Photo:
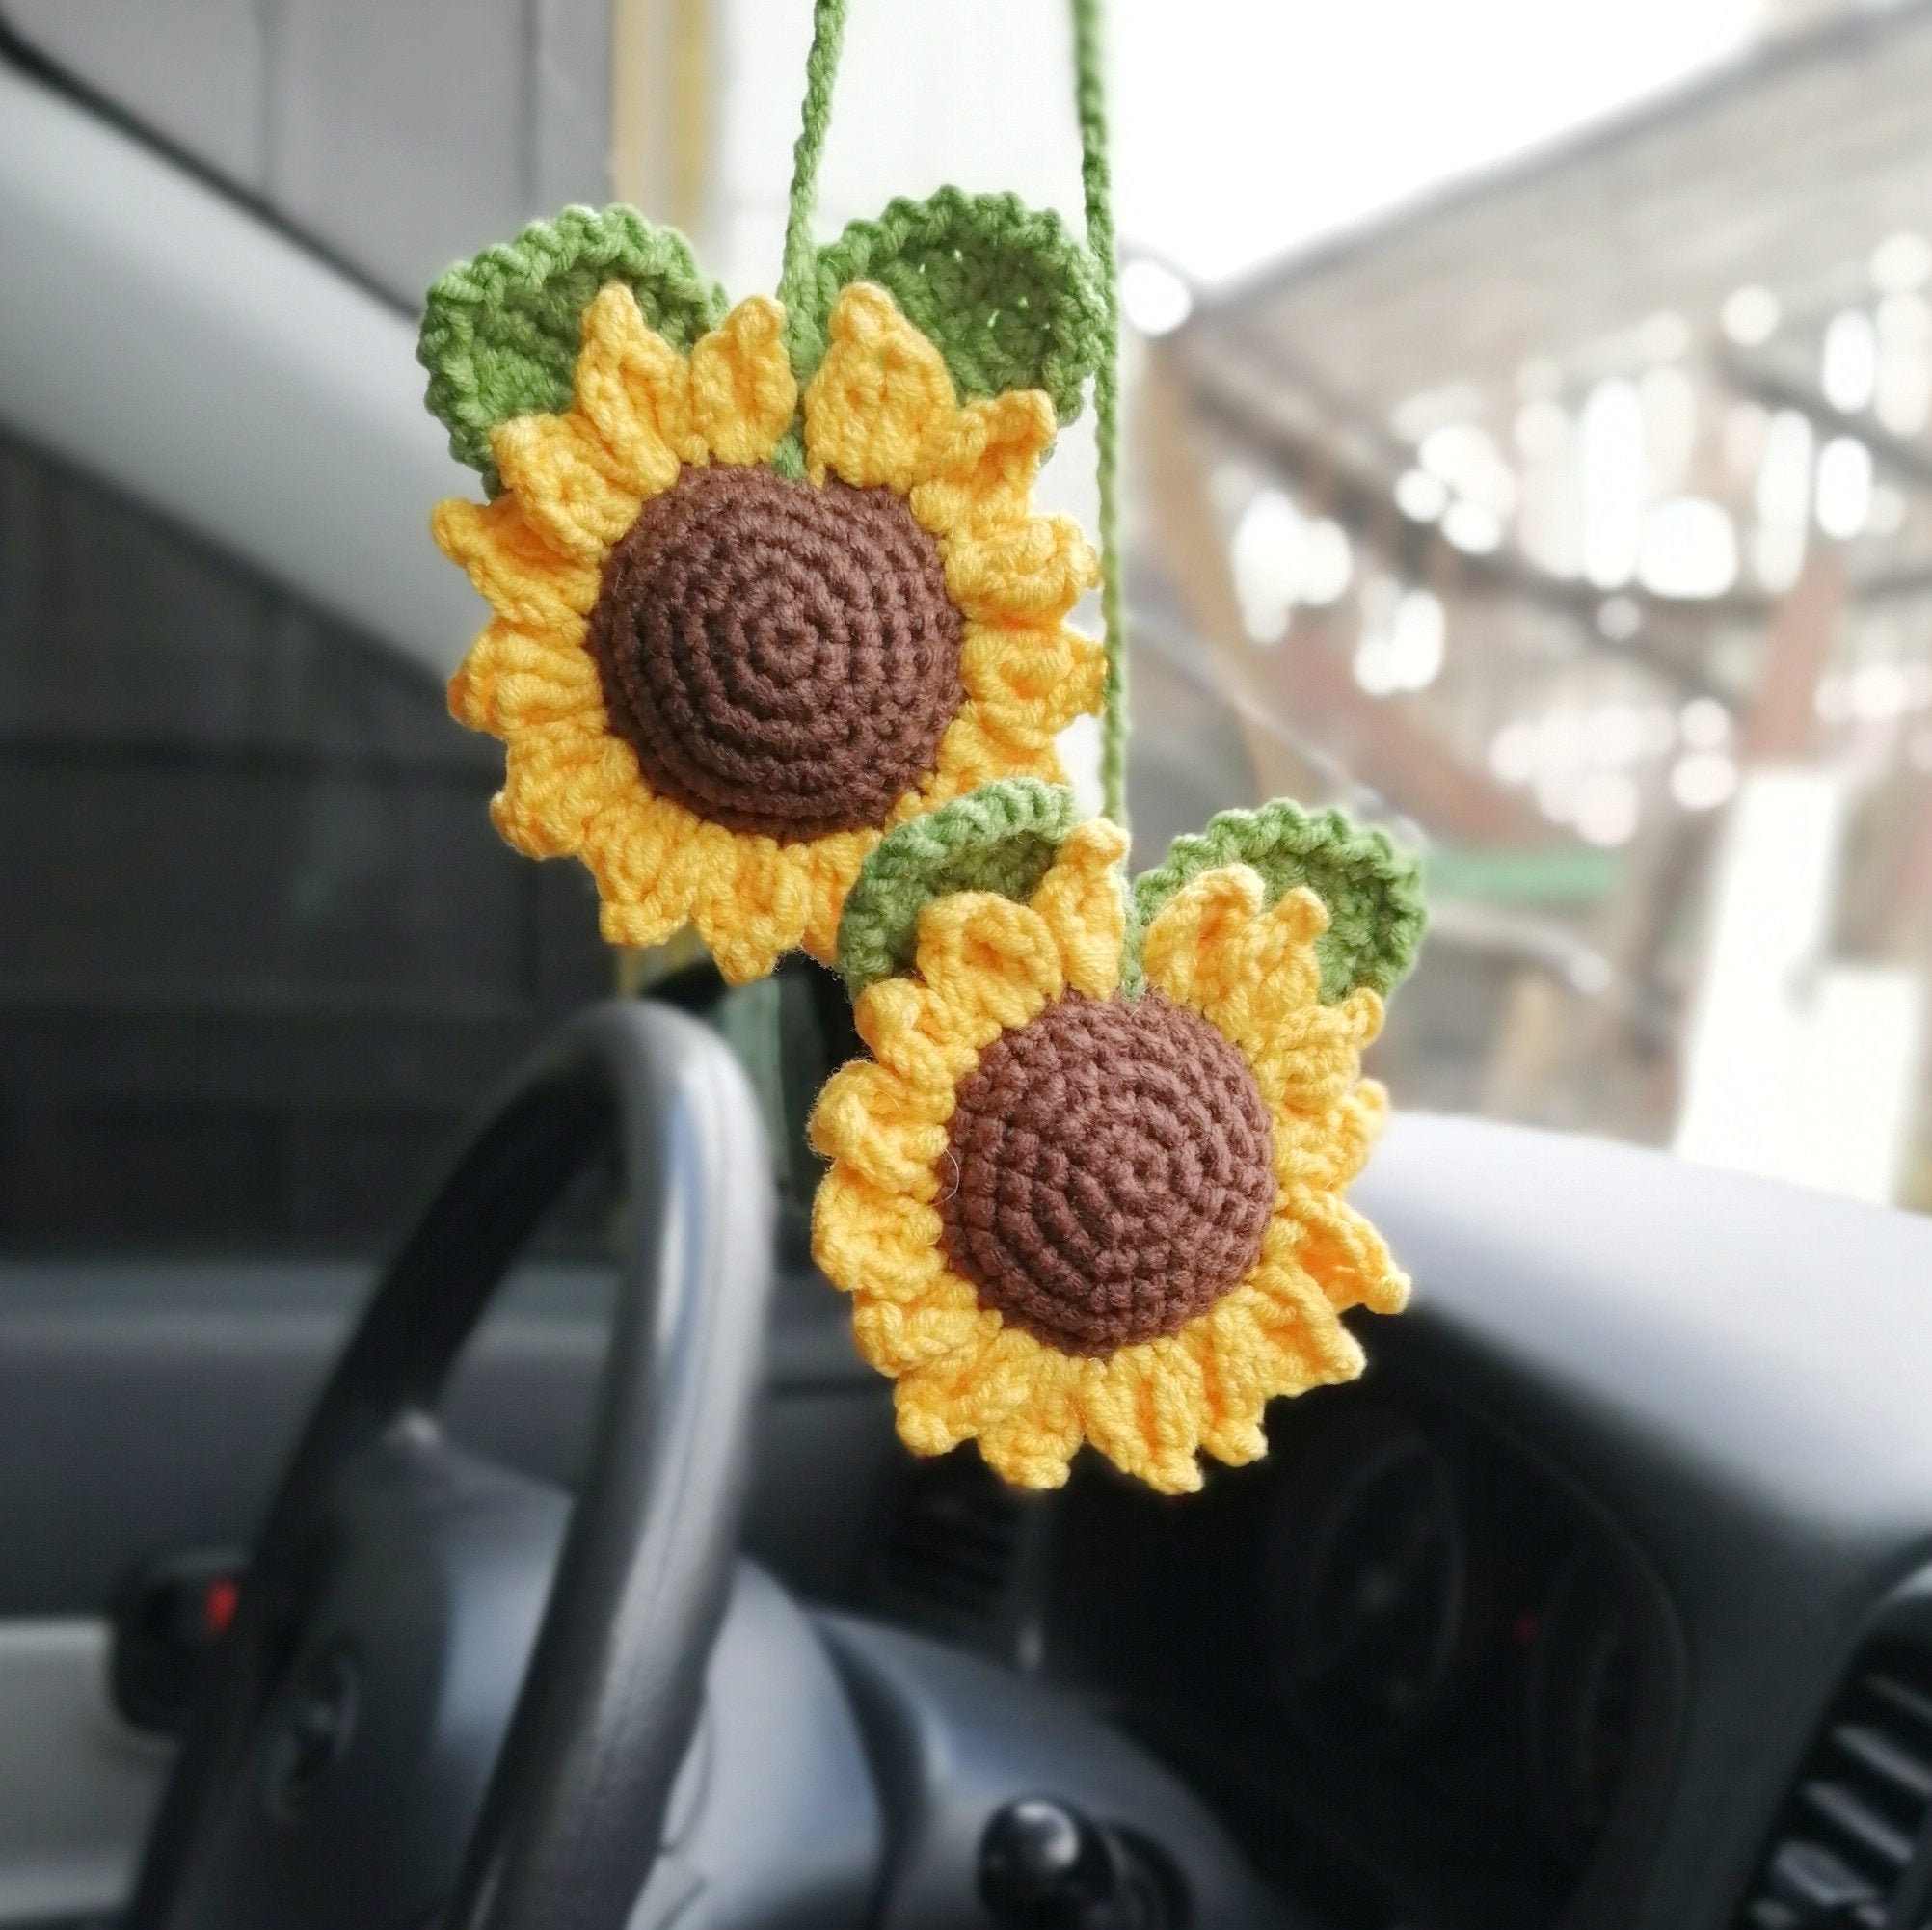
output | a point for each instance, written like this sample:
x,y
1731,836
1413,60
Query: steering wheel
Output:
x,y
413,1616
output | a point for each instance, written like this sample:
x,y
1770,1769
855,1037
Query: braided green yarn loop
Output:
x,y
1000,838
1096,177
1006,294
794,275
500,332
1373,890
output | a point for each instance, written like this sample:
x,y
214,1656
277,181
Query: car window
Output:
x,y
1529,449
260,951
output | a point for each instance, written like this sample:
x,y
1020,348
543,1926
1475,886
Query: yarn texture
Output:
x,y
1372,890
783,660
1002,837
1068,1215
720,686
1111,1173
1005,293
500,332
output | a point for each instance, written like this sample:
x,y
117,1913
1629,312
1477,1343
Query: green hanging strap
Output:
x,y
821,64
822,68
1097,182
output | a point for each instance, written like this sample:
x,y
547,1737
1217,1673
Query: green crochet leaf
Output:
x,y
1007,296
500,332
1001,837
1373,890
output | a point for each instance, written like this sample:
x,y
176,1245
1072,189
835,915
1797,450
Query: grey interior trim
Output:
x,y
158,335
398,137
77,1785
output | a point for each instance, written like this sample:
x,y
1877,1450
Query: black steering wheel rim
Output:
x,y
571,1820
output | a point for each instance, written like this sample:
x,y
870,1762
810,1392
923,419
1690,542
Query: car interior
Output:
x,y
437,1485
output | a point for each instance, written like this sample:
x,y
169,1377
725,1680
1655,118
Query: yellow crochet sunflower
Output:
x,y
1065,1214
720,683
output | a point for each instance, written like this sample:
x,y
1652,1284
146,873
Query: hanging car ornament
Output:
x,y
1088,1186
780,650
765,581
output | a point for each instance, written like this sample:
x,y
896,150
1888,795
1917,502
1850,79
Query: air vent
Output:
x,y
1855,1823
951,1553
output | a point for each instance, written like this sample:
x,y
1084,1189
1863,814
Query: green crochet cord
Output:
x,y
1097,182
1086,332
796,274
1372,888
1000,838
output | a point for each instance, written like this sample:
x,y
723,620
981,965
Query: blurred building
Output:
x,y
1581,522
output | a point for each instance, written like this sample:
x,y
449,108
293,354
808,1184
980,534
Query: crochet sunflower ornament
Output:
x,y
767,580
1088,1186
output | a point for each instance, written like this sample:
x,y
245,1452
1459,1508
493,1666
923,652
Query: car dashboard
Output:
x,y
1602,1601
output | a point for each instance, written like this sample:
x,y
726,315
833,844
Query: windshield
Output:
x,y
1529,449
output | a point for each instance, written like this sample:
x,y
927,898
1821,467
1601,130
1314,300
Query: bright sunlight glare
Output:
x,y
1244,130
1247,128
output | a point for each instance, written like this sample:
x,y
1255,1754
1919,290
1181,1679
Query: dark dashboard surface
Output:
x,y
1735,1374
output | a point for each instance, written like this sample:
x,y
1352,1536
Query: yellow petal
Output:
x,y
1082,901
1307,1063
566,482
831,866
513,677
996,1381
742,391
1254,976
871,1242
1034,1447
1032,679
912,1031
885,1129
1019,1398
1301,1328
1272,1364
1192,936
647,854
1345,1255
1228,1341
986,467
881,401
635,390
974,751
1142,1409
1239,1372
635,927
1324,1151
989,964
750,909
1037,570
523,578
642,845
557,779
944,1323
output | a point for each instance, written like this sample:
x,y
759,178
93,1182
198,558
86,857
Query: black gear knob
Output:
x,y
1045,1866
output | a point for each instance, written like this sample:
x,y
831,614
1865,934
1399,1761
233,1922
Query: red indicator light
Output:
x,y
219,1604
1523,1629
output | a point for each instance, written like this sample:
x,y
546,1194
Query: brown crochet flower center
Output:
x,y
782,658
1114,1166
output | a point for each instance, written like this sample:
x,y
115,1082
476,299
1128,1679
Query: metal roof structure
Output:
x,y
1540,515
